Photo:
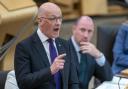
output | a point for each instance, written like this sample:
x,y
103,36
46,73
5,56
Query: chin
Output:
x,y
55,36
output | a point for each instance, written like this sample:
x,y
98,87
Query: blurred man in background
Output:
x,y
88,59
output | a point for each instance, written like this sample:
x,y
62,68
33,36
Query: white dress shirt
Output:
x,y
45,43
11,82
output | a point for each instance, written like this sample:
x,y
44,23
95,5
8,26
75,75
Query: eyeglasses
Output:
x,y
52,18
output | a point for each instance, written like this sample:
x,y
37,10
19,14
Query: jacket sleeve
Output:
x,y
104,73
73,75
73,82
120,50
27,79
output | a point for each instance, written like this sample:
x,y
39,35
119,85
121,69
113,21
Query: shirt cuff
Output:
x,y
101,60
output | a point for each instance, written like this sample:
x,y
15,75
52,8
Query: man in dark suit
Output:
x,y
43,60
88,59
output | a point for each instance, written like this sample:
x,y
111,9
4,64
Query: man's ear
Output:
x,y
38,20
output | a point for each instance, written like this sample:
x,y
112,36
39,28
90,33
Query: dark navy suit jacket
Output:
x,y
103,73
32,67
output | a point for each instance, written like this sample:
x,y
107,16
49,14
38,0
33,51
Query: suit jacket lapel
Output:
x,y
39,46
60,47
61,50
73,53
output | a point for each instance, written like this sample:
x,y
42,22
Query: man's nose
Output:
x,y
85,34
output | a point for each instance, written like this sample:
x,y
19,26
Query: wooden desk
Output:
x,y
116,83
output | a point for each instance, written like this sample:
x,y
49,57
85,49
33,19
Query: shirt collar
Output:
x,y
42,36
76,46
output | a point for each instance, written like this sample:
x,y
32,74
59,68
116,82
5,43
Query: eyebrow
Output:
x,y
56,16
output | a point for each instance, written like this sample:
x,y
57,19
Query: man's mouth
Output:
x,y
56,29
85,40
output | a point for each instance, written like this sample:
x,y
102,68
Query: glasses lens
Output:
x,y
52,18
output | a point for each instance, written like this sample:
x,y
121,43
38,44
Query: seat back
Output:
x,y
105,39
3,76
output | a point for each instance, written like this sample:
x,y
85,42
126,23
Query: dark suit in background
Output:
x,y
92,68
88,59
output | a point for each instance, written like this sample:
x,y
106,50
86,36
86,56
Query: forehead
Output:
x,y
84,23
50,11
53,14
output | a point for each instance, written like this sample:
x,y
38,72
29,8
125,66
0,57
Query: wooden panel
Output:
x,y
66,10
63,2
0,19
94,7
72,15
16,4
117,10
65,5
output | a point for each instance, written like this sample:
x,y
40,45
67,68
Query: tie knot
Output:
x,y
50,40
80,52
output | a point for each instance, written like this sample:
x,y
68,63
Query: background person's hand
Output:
x,y
89,48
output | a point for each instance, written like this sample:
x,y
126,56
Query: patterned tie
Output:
x,y
82,68
53,55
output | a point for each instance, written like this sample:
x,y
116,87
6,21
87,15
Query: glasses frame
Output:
x,y
60,18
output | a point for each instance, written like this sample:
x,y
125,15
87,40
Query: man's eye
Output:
x,y
82,29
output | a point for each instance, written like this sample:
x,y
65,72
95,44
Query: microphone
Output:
x,y
119,82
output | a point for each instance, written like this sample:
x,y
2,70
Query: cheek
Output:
x,y
78,37
77,34
43,25
90,36
80,34
48,26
